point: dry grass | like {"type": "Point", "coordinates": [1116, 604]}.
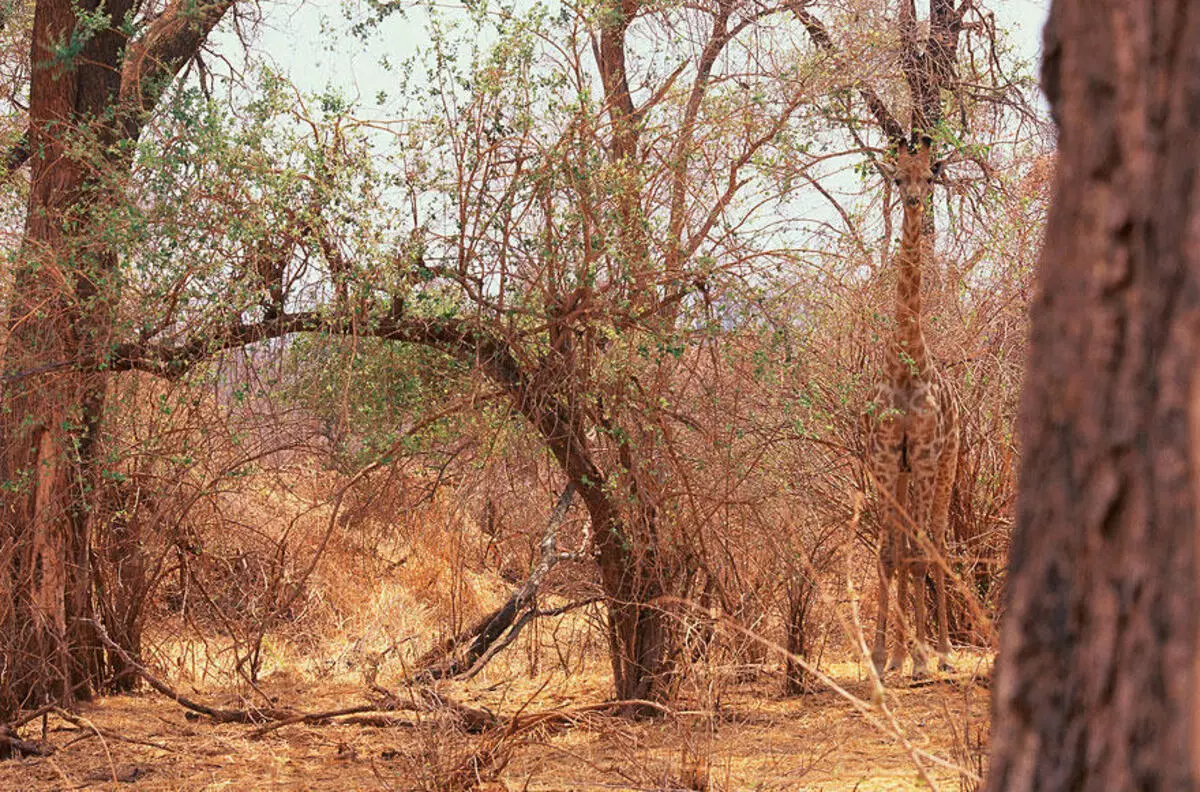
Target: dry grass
{"type": "Point", "coordinates": [386, 592]}
{"type": "Point", "coordinates": [753, 739]}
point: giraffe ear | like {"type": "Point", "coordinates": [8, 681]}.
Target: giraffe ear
{"type": "Point", "coordinates": [888, 169]}
{"type": "Point", "coordinates": [926, 142]}
{"type": "Point", "coordinates": [938, 168]}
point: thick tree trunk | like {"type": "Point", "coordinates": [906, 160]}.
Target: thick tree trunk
{"type": "Point", "coordinates": [84, 108]}
{"type": "Point", "coordinates": [48, 425]}
{"type": "Point", "coordinates": [1097, 685]}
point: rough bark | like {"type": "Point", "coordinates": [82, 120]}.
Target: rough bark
{"type": "Point", "coordinates": [1097, 684]}
{"type": "Point", "coordinates": [49, 429]}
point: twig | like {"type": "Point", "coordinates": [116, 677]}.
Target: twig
{"type": "Point", "coordinates": [312, 717]}
{"type": "Point", "coordinates": [84, 723]}
{"type": "Point", "coordinates": [220, 715]}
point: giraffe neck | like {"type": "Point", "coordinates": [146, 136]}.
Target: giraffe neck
{"type": "Point", "coordinates": [909, 358]}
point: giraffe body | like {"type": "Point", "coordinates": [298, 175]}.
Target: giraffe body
{"type": "Point", "coordinates": [912, 441]}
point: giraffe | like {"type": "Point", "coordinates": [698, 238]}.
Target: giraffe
{"type": "Point", "coordinates": [912, 435]}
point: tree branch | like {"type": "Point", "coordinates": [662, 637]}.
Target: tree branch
{"type": "Point", "coordinates": [485, 633]}
{"type": "Point", "coordinates": [172, 39]}
{"type": "Point", "coordinates": [469, 344]}
{"type": "Point", "coordinates": [820, 36]}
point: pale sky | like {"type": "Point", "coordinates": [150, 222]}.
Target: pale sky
{"type": "Point", "coordinates": [310, 41]}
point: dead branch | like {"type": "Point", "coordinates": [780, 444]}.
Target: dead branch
{"type": "Point", "coordinates": [519, 610]}
{"type": "Point", "coordinates": [471, 719]}
{"type": "Point", "coordinates": [515, 630]}
{"type": "Point", "coordinates": [92, 730]}
{"type": "Point", "coordinates": [13, 747]}
{"type": "Point", "coordinates": [313, 718]}
{"type": "Point", "coordinates": [218, 714]}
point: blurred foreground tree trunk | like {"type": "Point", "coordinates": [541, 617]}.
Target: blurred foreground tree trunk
{"type": "Point", "coordinates": [1097, 685]}
{"type": "Point", "coordinates": [92, 89]}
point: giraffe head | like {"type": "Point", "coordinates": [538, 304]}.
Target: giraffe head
{"type": "Point", "coordinates": [914, 170]}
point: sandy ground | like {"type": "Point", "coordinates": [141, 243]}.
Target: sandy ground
{"type": "Point", "coordinates": [730, 737]}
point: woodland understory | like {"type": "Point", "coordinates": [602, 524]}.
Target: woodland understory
{"type": "Point", "coordinates": [496, 422]}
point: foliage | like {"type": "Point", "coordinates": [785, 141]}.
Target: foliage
{"type": "Point", "coordinates": [645, 252]}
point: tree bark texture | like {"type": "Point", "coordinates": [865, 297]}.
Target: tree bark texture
{"type": "Point", "coordinates": [57, 313]}
{"type": "Point", "coordinates": [1097, 678]}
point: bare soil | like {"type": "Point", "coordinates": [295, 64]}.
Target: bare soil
{"type": "Point", "coordinates": [744, 736]}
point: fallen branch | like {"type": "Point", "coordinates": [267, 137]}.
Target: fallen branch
{"type": "Point", "coordinates": [515, 630]}
{"type": "Point", "coordinates": [481, 638]}
{"type": "Point", "coordinates": [313, 717]}
{"type": "Point", "coordinates": [92, 730]}
{"type": "Point", "coordinates": [380, 721]}
{"type": "Point", "coordinates": [567, 716]}
{"type": "Point", "coordinates": [472, 720]}
{"type": "Point", "coordinates": [218, 714]}
{"type": "Point", "coordinates": [13, 747]}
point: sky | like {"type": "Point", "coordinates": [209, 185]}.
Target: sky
{"type": "Point", "coordinates": [309, 40]}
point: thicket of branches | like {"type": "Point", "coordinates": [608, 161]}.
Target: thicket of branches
{"type": "Point", "coordinates": [639, 250]}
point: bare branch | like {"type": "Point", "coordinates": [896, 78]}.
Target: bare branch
{"type": "Point", "coordinates": [820, 36]}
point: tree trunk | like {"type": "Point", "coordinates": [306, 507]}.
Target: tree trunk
{"type": "Point", "coordinates": [85, 108]}
{"type": "Point", "coordinates": [630, 570]}
{"type": "Point", "coordinates": [637, 628]}
{"type": "Point", "coordinates": [58, 313]}
{"type": "Point", "coordinates": [1097, 684]}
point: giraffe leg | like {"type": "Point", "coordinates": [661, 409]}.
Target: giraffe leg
{"type": "Point", "coordinates": [901, 560]}
{"type": "Point", "coordinates": [888, 480]}
{"type": "Point", "coordinates": [924, 487]}
{"type": "Point", "coordinates": [900, 640]}
{"type": "Point", "coordinates": [920, 647]}
{"type": "Point", "coordinates": [943, 638]}
{"type": "Point", "coordinates": [940, 519]}
{"type": "Point", "coordinates": [887, 568]}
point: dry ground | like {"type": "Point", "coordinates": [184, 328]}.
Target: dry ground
{"type": "Point", "coordinates": [747, 737]}
{"type": "Point", "coordinates": [426, 581]}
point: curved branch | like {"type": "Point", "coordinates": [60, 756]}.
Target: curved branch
{"type": "Point", "coordinates": [171, 40]}
{"type": "Point", "coordinates": [492, 354]}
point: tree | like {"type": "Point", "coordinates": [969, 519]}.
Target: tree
{"type": "Point", "coordinates": [98, 69]}
{"type": "Point", "coordinates": [533, 260]}
{"type": "Point", "coordinates": [1097, 680]}
{"type": "Point", "coordinates": [582, 218]}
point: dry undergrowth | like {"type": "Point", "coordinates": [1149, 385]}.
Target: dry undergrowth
{"type": "Point", "coordinates": [728, 729]}
{"type": "Point", "coordinates": [751, 739]}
